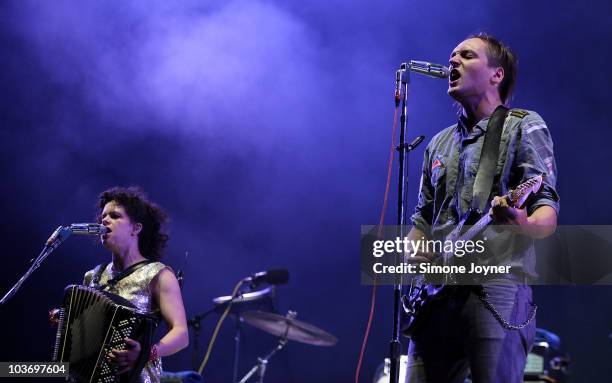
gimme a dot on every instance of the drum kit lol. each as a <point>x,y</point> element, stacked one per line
<point>257,309</point>
<point>286,328</point>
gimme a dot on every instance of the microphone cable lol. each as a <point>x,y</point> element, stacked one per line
<point>380,226</point>
<point>218,326</point>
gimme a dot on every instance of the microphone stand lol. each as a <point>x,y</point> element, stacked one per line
<point>58,236</point>
<point>401,94</point>
<point>195,322</point>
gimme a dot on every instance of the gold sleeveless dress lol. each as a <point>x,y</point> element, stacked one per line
<point>135,288</point>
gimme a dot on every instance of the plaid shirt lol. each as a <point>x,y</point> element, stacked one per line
<point>451,161</point>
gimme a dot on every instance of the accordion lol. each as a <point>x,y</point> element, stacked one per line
<point>91,324</point>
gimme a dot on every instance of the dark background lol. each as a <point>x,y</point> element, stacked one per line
<point>263,127</point>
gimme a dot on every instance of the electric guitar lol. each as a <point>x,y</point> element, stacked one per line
<point>421,292</point>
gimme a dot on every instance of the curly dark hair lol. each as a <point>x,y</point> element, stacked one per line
<point>151,239</point>
<point>500,55</point>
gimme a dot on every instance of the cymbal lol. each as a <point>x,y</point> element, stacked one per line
<point>289,327</point>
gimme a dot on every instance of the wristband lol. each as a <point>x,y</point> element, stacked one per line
<point>153,355</point>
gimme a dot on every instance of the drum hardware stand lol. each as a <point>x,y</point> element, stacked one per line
<point>262,363</point>
<point>237,336</point>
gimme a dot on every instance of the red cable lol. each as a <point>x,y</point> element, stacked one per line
<point>380,226</point>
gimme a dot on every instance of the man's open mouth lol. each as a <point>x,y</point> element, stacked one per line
<point>454,75</point>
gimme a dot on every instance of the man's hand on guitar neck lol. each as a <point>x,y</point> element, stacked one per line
<point>540,224</point>
<point>504,214</point>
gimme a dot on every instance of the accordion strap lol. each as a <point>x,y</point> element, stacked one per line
<point>113,281</point>
<point>98,274</point>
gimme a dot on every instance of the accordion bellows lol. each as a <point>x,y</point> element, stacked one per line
<point>91,324</point>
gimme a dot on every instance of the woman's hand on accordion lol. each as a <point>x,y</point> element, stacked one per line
<point>125,360</point>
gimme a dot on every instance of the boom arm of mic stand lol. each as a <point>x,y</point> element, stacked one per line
<point>60,234</point>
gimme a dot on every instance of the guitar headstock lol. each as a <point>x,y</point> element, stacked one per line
<point>519,195</point>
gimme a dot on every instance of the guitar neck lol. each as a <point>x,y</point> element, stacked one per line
<point>476,229</point>
<point>516,197</point>
<point>469,234</point>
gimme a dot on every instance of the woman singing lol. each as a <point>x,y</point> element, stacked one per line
<point>136,242</point>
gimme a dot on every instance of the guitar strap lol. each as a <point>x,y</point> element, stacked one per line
<point>488,159</point>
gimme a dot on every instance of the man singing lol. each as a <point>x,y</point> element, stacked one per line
<point>485,330</point>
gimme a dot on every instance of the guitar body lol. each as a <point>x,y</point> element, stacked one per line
<point>422,294</point>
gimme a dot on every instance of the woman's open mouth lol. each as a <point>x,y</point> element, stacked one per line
<point>105,235</point>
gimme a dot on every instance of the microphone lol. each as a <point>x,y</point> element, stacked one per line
<point>272,277</point>
<point>428,69</point>
<point>58,235</point>
<point>62,232</point>
<point>398,83</point>
<point>415,143</point>
<point>88,229</point>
